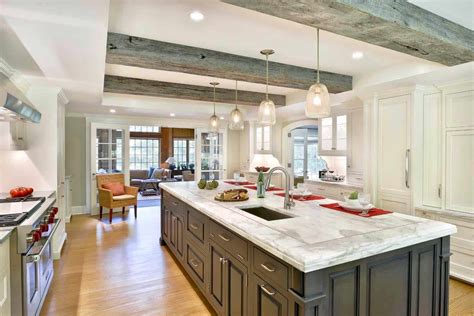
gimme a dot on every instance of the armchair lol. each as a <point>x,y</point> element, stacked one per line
<point>110,201</point>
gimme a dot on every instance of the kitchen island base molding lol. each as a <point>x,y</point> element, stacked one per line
<point>239,278</point>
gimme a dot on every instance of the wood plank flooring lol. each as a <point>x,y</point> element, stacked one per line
<point>120,269</point>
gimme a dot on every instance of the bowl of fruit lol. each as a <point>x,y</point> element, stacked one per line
<point>262,169</point>
<point>233,195</point>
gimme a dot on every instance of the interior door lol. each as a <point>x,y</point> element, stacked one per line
<point>211,151</point>
<point>109,154</point>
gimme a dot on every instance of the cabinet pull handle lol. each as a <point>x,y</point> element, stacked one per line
<point>193,263</point>
<point>407,168</point>
<point>266,267</point>
<point>269,292</point>
<point>174,203</point>
<point>193,226</point>
<point>212,235</point>
<point>439,191</point>
<point>223,237</point>
<point>240,256</point>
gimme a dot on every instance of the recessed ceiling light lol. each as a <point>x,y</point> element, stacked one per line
<point>172,114</point>
<point>221,117</point>
<point>196,16</point>
<point>112,111</point>
<point>357,55</point>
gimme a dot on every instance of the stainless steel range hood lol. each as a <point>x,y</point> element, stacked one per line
<point>12,108</point>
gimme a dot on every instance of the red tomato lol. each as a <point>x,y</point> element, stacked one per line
<point>20,192</point>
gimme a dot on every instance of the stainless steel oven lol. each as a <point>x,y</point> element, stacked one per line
<point>38,272</point>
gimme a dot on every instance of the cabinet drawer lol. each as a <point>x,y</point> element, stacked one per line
<point>195,263</point>
<point>171,202</point>
<point>230,241</point>
<point>270,268</point>
<point>195,225</point>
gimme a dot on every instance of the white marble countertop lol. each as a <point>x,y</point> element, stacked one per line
<point>316,237</point>
<point>4,234</point>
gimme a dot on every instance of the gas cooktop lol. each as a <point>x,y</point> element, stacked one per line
<point>23,199</point>
<point>14,219</point>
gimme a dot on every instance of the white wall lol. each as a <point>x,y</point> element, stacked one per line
<point>36,166</point>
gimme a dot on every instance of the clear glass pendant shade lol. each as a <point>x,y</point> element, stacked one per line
<point>214,124</point>
<point>266,113</point>
<point>236,120</point>
<point>317,101</point>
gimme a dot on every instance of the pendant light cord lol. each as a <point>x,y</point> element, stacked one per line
<point>214,99</point>
<point>266,91</point>
<point>236,94</point>
<point>317,56</point>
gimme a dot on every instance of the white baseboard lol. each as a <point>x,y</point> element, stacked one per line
<point>68,219</point>
<point>80,209</point>
<point>57,252</point>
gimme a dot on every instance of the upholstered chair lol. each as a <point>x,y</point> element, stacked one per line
<point>114,193</point>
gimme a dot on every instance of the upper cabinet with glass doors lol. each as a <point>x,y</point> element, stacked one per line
<point>333,135</point>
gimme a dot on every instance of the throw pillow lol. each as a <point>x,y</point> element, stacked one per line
<point>150,172</point>
<point>157,174</point>
<point>117,188</point>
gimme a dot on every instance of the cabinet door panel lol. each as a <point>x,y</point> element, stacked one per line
<point>393,143</point>
<point>355,163</point>
<point>432,150</point>
<point>180,236</point>
<point>267,300</point>
<point>236,288</point>
<point>460,109</point>
<point>217,278</point>
<point>173,235</point>
<point>167,223</point>
<point>459,170</point>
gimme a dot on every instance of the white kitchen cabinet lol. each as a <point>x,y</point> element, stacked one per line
<point>460,170</point>
<point>462,243</point>
<point>332,132</point>
<point>355,148</point>
<point>263,139</point>
<point>332,190</point>
<point>68,198</point>
<point>5,298</point>
<point>432,149</point>
<point>459,107</point>
<point>393,170</point>
<point>211,154</point>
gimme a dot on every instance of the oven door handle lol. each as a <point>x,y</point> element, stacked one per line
<point>34,256</point>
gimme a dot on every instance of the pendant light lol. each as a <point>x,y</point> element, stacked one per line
<point>236,117</point>
<point>214,120</point>
<point>317,99</point>
<point>266,111</point>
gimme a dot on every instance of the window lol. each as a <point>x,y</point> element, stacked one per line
<point>306,161</point>
<point>109,150</point>
<point>262,138</point>
<point>144,147</point>
<point>184,152</point>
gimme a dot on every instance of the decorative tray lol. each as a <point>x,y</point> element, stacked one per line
<point>233,195</point>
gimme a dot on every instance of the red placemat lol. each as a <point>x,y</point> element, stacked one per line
<point>373,212</point>
<point>254,187</point>
<point>297,197</point>
<point>238,183</point>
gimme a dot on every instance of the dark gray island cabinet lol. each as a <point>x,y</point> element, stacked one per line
<point>239,278</point>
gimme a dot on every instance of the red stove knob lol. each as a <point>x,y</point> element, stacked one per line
<point>44,227</point>
<point>51,219</point>
<point>36,235</point>
<point>54,210</point>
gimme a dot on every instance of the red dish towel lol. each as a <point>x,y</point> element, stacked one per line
<point>297,197</point>
<point>373,212</point>
<point>254,187</point>
<point>238,183</point>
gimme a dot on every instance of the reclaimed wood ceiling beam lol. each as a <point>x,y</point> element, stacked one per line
<point>397,25</point>
<point>125,85</point>
<point>145,53</point>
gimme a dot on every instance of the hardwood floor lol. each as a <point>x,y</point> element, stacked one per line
<point>120,269</point>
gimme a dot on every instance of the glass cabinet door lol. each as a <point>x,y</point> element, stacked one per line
<point>333,135</point>
<point>211,157</point>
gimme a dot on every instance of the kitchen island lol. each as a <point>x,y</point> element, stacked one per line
<point>315,262</point>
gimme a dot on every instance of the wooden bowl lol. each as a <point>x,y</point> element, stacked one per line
<point>262,168</point>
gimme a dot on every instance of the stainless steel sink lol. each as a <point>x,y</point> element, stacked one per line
<point>265,213</point>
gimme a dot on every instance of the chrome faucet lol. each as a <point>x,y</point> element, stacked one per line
<point>288,203</point>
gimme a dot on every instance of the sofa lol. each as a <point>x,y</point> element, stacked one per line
<point>137,176</point>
